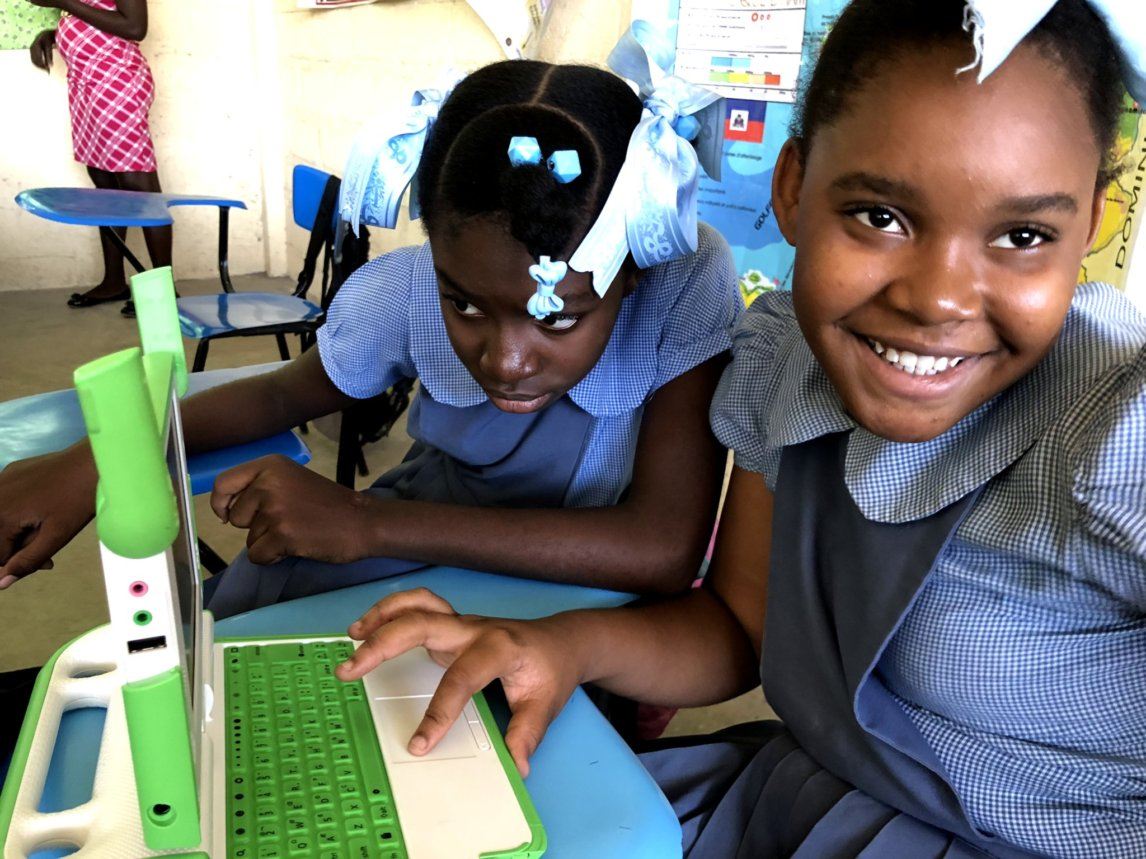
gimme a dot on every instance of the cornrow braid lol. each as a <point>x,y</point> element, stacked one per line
<point>465,170</point>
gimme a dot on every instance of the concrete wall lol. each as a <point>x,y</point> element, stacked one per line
<point>342,69</point>
<point>206,129</point>
<point>245,90</point>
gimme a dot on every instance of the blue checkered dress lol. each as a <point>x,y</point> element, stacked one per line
<point>1022,661</point>
<point>386,324</point>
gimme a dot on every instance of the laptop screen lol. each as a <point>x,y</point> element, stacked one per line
<point>185,558</point>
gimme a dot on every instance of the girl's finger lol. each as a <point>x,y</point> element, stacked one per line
<point>527,726</point>
<point>229,484</point>
<point>245,507</point>
<point>432,630</point>
<point>267,548</point>
<point>472,671</point>
<point>385,610</point>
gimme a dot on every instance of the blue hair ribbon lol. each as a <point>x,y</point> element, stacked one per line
<point>651,210</point>
<point>383,163</point>
<point>998,26</point>
<point>548,273</point>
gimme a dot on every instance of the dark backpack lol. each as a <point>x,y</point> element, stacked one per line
<point>342,253</point>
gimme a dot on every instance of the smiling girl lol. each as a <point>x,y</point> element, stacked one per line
<point>933,553</point>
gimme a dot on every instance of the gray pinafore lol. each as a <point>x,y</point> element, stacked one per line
<point>846,775</point>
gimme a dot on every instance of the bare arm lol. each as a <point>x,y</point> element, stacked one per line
<point>128,19</point>
<point>651,542</point>
<point>45,501</point>
<point>261,406</point>
<point>701,648</point>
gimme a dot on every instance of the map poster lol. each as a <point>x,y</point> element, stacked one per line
<point>754,53</point>
<point>1109,259</point>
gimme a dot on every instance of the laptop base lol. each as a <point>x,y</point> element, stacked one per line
<point>83,673</point>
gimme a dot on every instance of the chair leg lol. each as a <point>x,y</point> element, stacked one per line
<point>210,559</point>
<point>362,469</point>
<point>200,356</point>
<point>224,263</point>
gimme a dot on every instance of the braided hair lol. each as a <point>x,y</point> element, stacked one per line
<point>465,170</point>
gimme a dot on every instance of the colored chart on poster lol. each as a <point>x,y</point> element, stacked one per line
<point>746,50</point>
<point>740,206</point>
<point>717,43</point>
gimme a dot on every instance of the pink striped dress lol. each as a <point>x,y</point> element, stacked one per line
<point>110,90</point>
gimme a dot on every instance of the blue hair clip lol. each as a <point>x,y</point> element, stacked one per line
<point>564,164</point>
<point>548,273</point>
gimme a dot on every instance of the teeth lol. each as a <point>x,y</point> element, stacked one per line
<point>912,364</point>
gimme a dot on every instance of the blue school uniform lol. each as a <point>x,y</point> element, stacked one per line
<point>386,324</point>
<point>956,630</point>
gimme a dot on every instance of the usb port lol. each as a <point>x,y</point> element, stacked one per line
<point>141,644</point>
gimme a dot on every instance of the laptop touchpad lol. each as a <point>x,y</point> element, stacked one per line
<point>400,717</point>
<point>412,673</point>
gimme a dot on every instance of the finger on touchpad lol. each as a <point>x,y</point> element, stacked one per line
<point>400,717</point>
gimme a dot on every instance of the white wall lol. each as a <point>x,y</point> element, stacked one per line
<point>342,69</point>
<point>205,126</point>
<point>246,89</point>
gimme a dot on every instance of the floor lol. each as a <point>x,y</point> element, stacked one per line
<point>44,340</point>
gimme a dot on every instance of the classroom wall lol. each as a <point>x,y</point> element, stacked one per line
<point>247,89</point>
<point>244,91</point>
<point>341,69</point>
<point>362,63</point>
<point>207,140</point>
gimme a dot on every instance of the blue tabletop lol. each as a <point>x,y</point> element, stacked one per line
<point>594,797</point>
<point>44,423</point>
<point>96,207</point>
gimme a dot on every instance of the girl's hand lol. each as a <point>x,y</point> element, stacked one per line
<point>293,512</point>
<point>41,49</point>
<point>48,4</point>
<point>532,659</point>
<point>44,502</point>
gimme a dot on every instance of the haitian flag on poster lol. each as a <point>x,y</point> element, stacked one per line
<point>745,120</point>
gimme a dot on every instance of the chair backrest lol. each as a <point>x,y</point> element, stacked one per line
<point>315,209</point>
<point>307,185</point>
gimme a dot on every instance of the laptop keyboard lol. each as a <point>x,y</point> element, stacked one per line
<point>304,771</point>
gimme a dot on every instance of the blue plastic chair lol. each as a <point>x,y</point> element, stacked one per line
<point>251,314</point>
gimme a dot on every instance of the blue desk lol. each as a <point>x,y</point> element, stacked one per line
<point>48,422</point>
<point>97,207</point>
<point>595,799</point>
